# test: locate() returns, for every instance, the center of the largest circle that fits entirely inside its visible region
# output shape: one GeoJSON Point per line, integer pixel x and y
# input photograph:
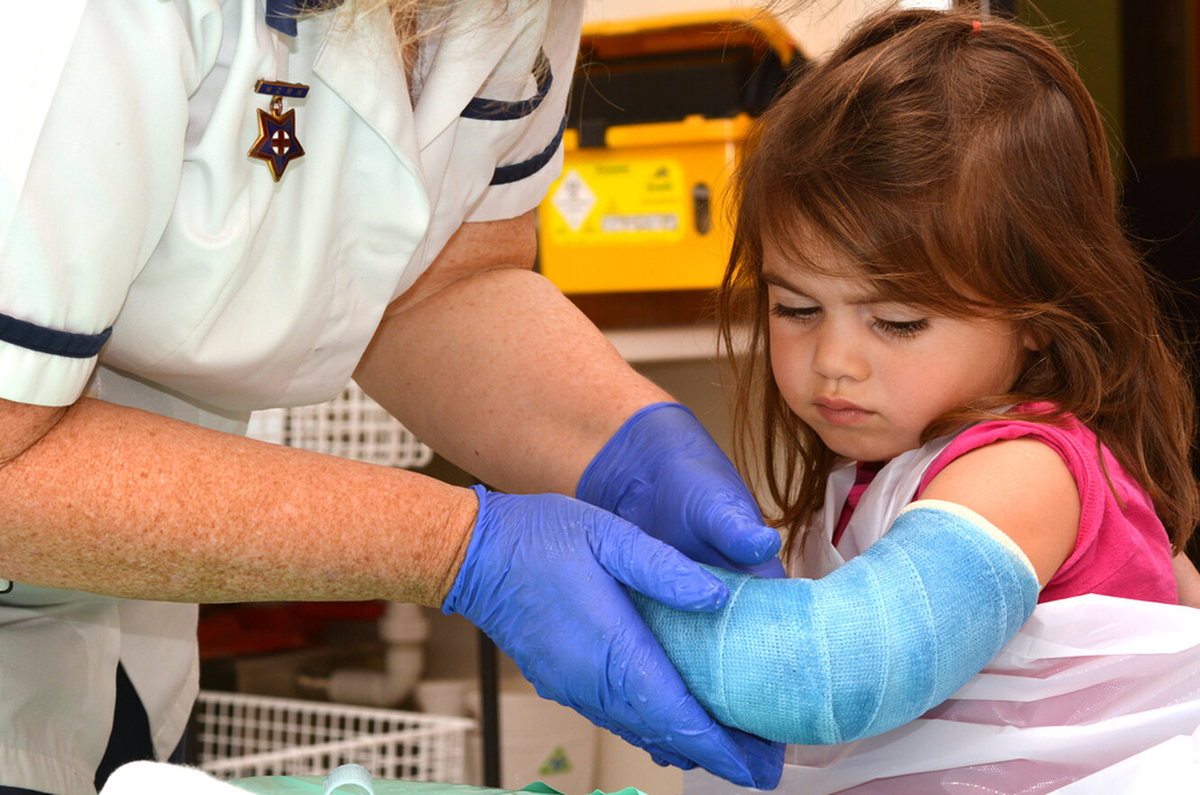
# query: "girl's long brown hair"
{"type": "Point", "coordinates": [963, 164]}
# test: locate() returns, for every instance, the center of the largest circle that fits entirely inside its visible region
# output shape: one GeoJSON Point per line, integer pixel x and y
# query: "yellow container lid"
{"type": "Point", "coordinates": [691, 130]}
{"type": "Point", "coordinates": [688, 31]}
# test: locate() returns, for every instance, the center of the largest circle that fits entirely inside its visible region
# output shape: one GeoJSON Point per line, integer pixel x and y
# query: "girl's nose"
{"type": "Point", "coordinates": [839, 354]}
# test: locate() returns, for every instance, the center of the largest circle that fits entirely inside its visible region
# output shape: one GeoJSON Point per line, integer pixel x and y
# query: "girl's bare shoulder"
{"type": "Point", "coordinates": [1024, 488]}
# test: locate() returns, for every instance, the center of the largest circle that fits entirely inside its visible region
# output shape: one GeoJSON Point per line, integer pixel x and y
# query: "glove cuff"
{"type": "Point", "coordinates": [461, 593]}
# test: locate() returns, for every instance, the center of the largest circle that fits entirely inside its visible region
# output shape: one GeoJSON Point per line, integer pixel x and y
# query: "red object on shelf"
{"type": "Point", "coordinates": [245, 629]}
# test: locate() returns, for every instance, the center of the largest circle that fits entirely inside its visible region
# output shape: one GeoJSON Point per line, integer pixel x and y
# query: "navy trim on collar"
{"type": "Point", "coordinates": [503, 175]}
{"type": "Point", "coordinates": [32, 337]}
{"type": "Point", "coordinates": [502, 110]}
{"type": "Point", "coordinates": [281, 14]}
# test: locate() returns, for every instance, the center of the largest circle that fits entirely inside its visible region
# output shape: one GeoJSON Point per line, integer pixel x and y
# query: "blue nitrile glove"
{"type": "Point", "coordinates": [663, 472]}
{"type": "Point", "coordinates": [545, 577]}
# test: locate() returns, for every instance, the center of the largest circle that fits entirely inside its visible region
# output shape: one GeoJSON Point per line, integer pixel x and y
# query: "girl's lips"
{"type": "Point", "coordinates": [841, 412]}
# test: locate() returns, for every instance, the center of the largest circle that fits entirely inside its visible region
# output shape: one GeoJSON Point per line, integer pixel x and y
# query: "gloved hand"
{"type": "Point", "coordinates": [545, 577]}
{"type": "Point", "coordinates": [664, 473]}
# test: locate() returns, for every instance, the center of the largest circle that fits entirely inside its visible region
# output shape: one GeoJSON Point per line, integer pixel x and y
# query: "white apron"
{"type": "Point", "coordinates": [1095, 694]}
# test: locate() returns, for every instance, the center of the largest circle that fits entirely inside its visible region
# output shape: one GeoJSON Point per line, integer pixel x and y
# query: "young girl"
{"type": "Point", "coordinates": [952, 342]}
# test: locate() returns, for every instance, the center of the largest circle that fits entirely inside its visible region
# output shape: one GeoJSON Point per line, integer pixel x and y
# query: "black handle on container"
{"type": "Point", "coordinates": [702, 208]}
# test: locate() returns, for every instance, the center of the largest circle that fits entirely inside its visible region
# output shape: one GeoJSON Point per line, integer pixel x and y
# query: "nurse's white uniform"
{"type": "Point", "coordinates": [132, 218]}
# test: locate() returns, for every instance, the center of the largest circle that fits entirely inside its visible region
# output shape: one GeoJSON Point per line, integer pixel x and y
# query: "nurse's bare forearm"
{"type": "Point", "coordinates": [112, 500]}
{"type": "Point", "coordinates": [504, 376]}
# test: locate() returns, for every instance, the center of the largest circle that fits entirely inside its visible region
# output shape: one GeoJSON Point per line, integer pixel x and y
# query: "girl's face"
{"type": "Point", "coordinates": [870, 375]}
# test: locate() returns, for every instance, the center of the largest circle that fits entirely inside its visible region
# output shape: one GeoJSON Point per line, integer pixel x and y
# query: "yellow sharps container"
{"type": "Point", "coordinates": [658, 110]}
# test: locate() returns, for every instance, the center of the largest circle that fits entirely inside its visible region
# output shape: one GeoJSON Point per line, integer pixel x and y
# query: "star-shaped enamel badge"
{"type": "Point", "coordinates": [277, 143]}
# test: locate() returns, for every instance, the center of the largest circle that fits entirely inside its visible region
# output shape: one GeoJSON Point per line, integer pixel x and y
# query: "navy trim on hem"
{"type": "Point", "coordinates": [28, 335]}
{"type": "Point", "coordinates": [483, 109]}
{"type": "Point", "coordinates": [503, 175]}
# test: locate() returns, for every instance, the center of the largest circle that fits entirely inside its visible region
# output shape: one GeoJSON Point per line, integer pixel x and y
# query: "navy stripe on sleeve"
{"type": "Point", "coordinates": [24, 334]}
{"type": "Point", "coordinates": [502, 110]}
{"type": "Point", "coordinates": [519, 171]}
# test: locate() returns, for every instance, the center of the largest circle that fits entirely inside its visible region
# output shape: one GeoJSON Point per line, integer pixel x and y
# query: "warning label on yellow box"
{"type": "Point", "coordinates": [619, 202]}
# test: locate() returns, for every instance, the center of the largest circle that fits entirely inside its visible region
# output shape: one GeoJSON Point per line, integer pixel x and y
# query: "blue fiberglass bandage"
{"type": "Point", "coordinates": [870, 646]}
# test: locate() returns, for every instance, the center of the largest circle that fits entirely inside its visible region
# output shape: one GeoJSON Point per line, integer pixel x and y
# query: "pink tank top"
{"type": "Point", "coordinates": [1122, 548]}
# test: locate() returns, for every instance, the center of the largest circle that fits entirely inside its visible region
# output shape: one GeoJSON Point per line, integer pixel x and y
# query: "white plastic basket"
{"type": "Point", "coordinates": [351, 426]}
{"type": "Point", "coordinates": [240, 735]}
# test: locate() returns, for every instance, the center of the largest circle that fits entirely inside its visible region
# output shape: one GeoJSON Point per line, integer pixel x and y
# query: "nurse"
{"type": "Point", "coordinates": [211, 207]}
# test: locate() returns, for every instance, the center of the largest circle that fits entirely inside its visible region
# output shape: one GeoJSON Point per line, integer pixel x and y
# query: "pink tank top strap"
{"type": "Point", "coordinates": [1122, 548]}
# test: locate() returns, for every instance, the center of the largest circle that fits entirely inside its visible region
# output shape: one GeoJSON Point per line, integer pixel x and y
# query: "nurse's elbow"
{"type": "Point", "coordinates": [23, 427]}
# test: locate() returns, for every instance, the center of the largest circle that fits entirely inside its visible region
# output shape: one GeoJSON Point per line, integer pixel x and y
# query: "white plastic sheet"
{"type": "Point", "coordinates": [1095, 695]}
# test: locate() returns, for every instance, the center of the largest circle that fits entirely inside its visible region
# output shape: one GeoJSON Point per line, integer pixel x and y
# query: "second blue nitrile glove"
{"type": "Point", "coordinates": [663, 472]}
{"type": "Point", "coordinates": [547, 578]}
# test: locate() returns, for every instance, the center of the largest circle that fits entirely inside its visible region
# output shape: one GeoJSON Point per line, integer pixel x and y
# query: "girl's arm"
{"type": "Point", "coordinates": [1024, 488]}
{"type": "Point", "coordinates": [870, 646]}
{"type": "Point", "coordinates": [897, 629]}
{"type": "Point", "coordinates": [1187, 580]}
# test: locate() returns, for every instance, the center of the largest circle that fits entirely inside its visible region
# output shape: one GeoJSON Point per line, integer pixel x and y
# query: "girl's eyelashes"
{"type": "Point", "coordinates": [901, 328]}
{"type": "Point", "coordinates": [795, 312]}
{"type": "Point", "coordinates": [898, 329]}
